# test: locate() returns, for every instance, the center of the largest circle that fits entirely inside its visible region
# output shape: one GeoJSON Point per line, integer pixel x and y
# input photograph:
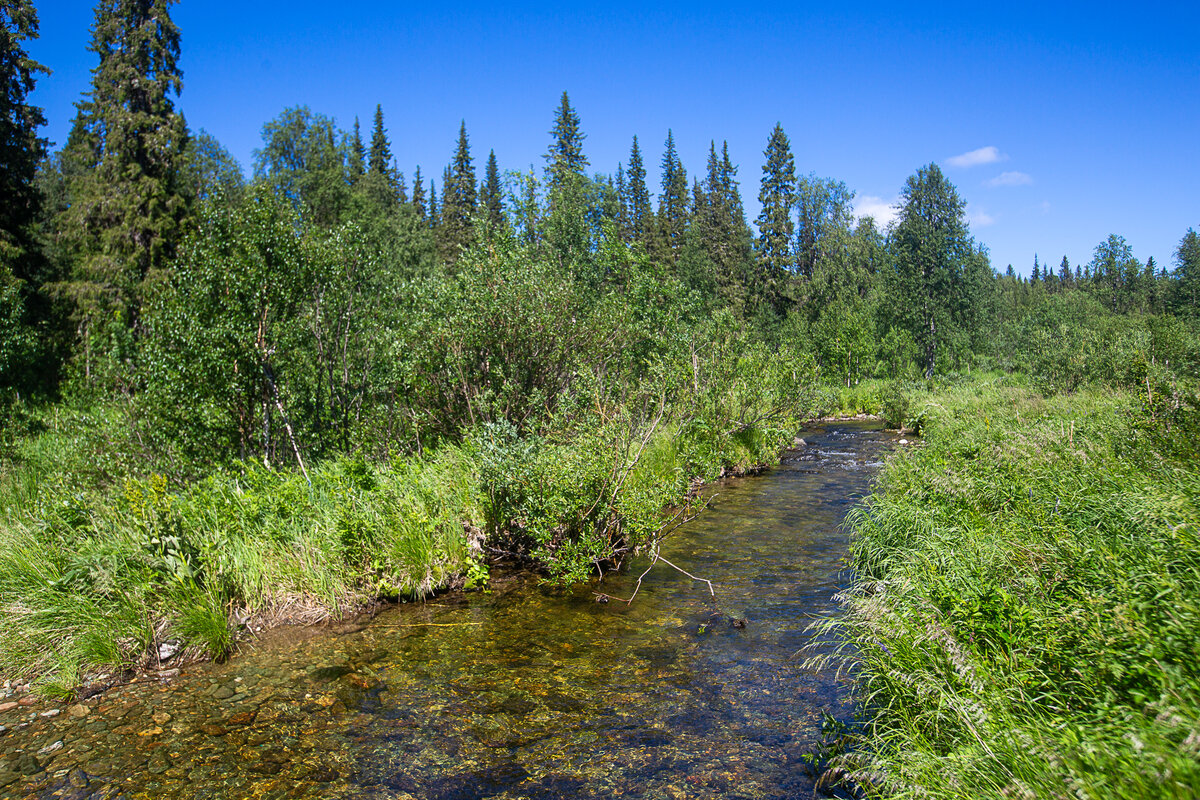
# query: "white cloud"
{"type": "Point", "coordinates": [884, 211]}
{"type": "Point", "coordinates": [984, 155]}
{"type": "Point", "coordinates": [1011, 179]}
{"type": "Point", "coordinates": [979, 218]}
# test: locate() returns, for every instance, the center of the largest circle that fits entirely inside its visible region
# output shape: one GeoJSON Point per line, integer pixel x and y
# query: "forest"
{"type": "Point", "coordinates": [321, 380]}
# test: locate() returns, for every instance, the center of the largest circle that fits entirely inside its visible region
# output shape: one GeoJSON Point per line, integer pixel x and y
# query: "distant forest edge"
{"type": "Point", "coordinates": [104, 240]}
{"type": "Point", "coordinates": [337, 382]}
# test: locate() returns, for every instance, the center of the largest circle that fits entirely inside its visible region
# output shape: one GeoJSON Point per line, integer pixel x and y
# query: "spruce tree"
{"type": "Point", "coordinates": [641, 218]}
{"type": "Point", "coordinates": [358, 155]}
{"type": "Point", "coordinates": [381, 150]}
{"type": "Point", "coordinates": [126, 211]}
{"type": "Point", "coordinates": [400, 183]}
{"type": "Point", "coordinates": [22, 267]}
{"type": "Point", "coordinates": [492, 199]}
{"type": "Point", "coordinates": [566, 158]}
{"type": "Point", "coordinates": [434, 216]}
{"type": "Point", "coordinates": [672, 201]}
{"type": "Point", "coordinates": [718, 249]}
{"type": "Point", "coordinates": [622, 190]}
{"type": "Point", "coordinates": [1065, 278]}
{"type": "Point", "coordinates": [777, 195]}
{"type": "Point", "coordinates": [418, 195]}
{"type": "Point", "coordinates": [1185, 294]}
{"type": "Point", "coordinates": [939, 275]}
{"type": "Point", "coordinates": [458, 199]}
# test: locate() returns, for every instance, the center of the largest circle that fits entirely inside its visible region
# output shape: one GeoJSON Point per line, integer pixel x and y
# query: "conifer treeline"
{"type": "Point", "coordinates": [88, 235]}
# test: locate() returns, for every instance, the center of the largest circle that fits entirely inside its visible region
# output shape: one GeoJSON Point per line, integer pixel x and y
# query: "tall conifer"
{"type": "Point", "coordinates": [566, 156]}
{"type": "Point", "coordinates": [641, 218]}
{"type": "Point", "coordinates": [492, 199]}
{"type": "Point", "coordinates": [418, 193]}
{"type": "Point", "coordinates": [458, 199]}
{"type": "Point", "coordinates": [381, 149]}
{"type": "Point", "coordinates": [358, 155]}
{"type": "Point", "coordinates": [21, 262]}
{"type": "Point", "coordinates": [777, 195]}
{"type": "Point", "coordinates": [672, 201]}
{"type": "Point", "coordinates": [127, 210]}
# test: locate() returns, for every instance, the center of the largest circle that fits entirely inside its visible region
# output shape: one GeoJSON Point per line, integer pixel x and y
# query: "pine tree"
{"type": "Point", "coordinates": [777, 195]}
{"type": "Point", "coordinates": [672, 202]}
{"type": "Point", "coordinates": [358, 155]}
{"type": "Point", "coordinates": [22, 267]}
{"type": "Point", "coordinates": [1065, 278]}
{"type": "Point", "coordinates": [1185, 294]}
{"type": "Point", "coordinates": [127, 210]}
{"type": "Point", "coordinates": [458, 199]}
{"type": "Point", "coordinates": [641, 218]}
{"type": "Point", "coordinates": [491, 196]}
{"type": "Point", "coordinates": [566, 158]}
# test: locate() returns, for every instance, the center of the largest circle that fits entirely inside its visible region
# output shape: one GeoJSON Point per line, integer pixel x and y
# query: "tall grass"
{"type": "Point", "coordinates": [1025, 620]}
{"type": "Point", "coordinates": [101, 574]}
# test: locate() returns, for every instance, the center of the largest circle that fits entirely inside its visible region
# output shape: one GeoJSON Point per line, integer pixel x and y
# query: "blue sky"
{"type": "Point", "coordinates": [1072, 121]}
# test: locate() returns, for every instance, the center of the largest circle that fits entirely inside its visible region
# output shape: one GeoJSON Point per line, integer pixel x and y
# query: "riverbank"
{"type": "Point", "coordinates": [529, 690]}
{"type": "Point", "coordinates": [104, 569]}
{"type": "Point", "coordinates": [1025, 620]}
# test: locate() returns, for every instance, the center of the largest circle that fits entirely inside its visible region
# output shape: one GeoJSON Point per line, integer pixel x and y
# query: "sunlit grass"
{"type": "Point", "coordinates": [1026, 616]}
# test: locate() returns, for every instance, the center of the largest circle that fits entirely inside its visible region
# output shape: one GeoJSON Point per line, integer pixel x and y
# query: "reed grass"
{"type": "Point", "coordinates": [1025, 616]}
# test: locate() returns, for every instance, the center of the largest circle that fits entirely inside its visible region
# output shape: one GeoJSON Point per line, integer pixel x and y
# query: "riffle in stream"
{"type": "Point", "coordinates": [520, 693]}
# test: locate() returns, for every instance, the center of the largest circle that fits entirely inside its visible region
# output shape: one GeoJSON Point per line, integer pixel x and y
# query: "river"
{"type": "Point", "coordinates": [521, 692]}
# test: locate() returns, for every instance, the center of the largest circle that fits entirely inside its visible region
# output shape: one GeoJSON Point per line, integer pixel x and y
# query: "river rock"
{"type": "Point", "coordinates": [160, 717]}
{"type": "Point", "coordinates": [167, 650]}
{"type": "Point", "coordinates": [51, 748]}
{"type": "Point", "coordinates": [79, 711]}
{"type": "Point", "coordinates": [222, 693]}
{"type": "Point", "coordinates": [78, 779]}
{"type": "Point", "coordinates": [28, 765]}
{"type": "Point", "coordinates": [9, 706]}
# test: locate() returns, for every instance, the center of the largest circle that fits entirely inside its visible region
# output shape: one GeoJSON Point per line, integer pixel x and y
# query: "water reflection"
{"type": "Point", "coordinates": [520, 693]}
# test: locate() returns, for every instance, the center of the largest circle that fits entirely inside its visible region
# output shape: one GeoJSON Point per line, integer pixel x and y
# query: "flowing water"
{"type": "Point", "coordinates": [522, 692]}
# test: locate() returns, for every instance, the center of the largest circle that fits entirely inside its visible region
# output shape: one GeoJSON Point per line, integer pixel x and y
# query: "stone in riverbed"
{"type": "Point", "coordinates": [9, 706]}
{"type": "Point", "coordinates": [79, 711]}
{"type": "Point", "coordinates": [28, 765]}
{"type": "Point", "coordinates": [222, 693]}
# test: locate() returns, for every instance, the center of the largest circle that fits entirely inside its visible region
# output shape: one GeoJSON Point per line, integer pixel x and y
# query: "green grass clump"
{"type": "Point", "coordinates": [1025, 620]}
{"type": "Point", "coordinates": [100, 575]}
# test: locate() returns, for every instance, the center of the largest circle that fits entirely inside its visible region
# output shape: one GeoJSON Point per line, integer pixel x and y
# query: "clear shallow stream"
{"type": "Point", "coordinates": [519, 693]}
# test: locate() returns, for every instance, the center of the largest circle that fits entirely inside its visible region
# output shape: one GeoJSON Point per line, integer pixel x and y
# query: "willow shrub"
{"type": "Point", "coordinates": [1025, 620]}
